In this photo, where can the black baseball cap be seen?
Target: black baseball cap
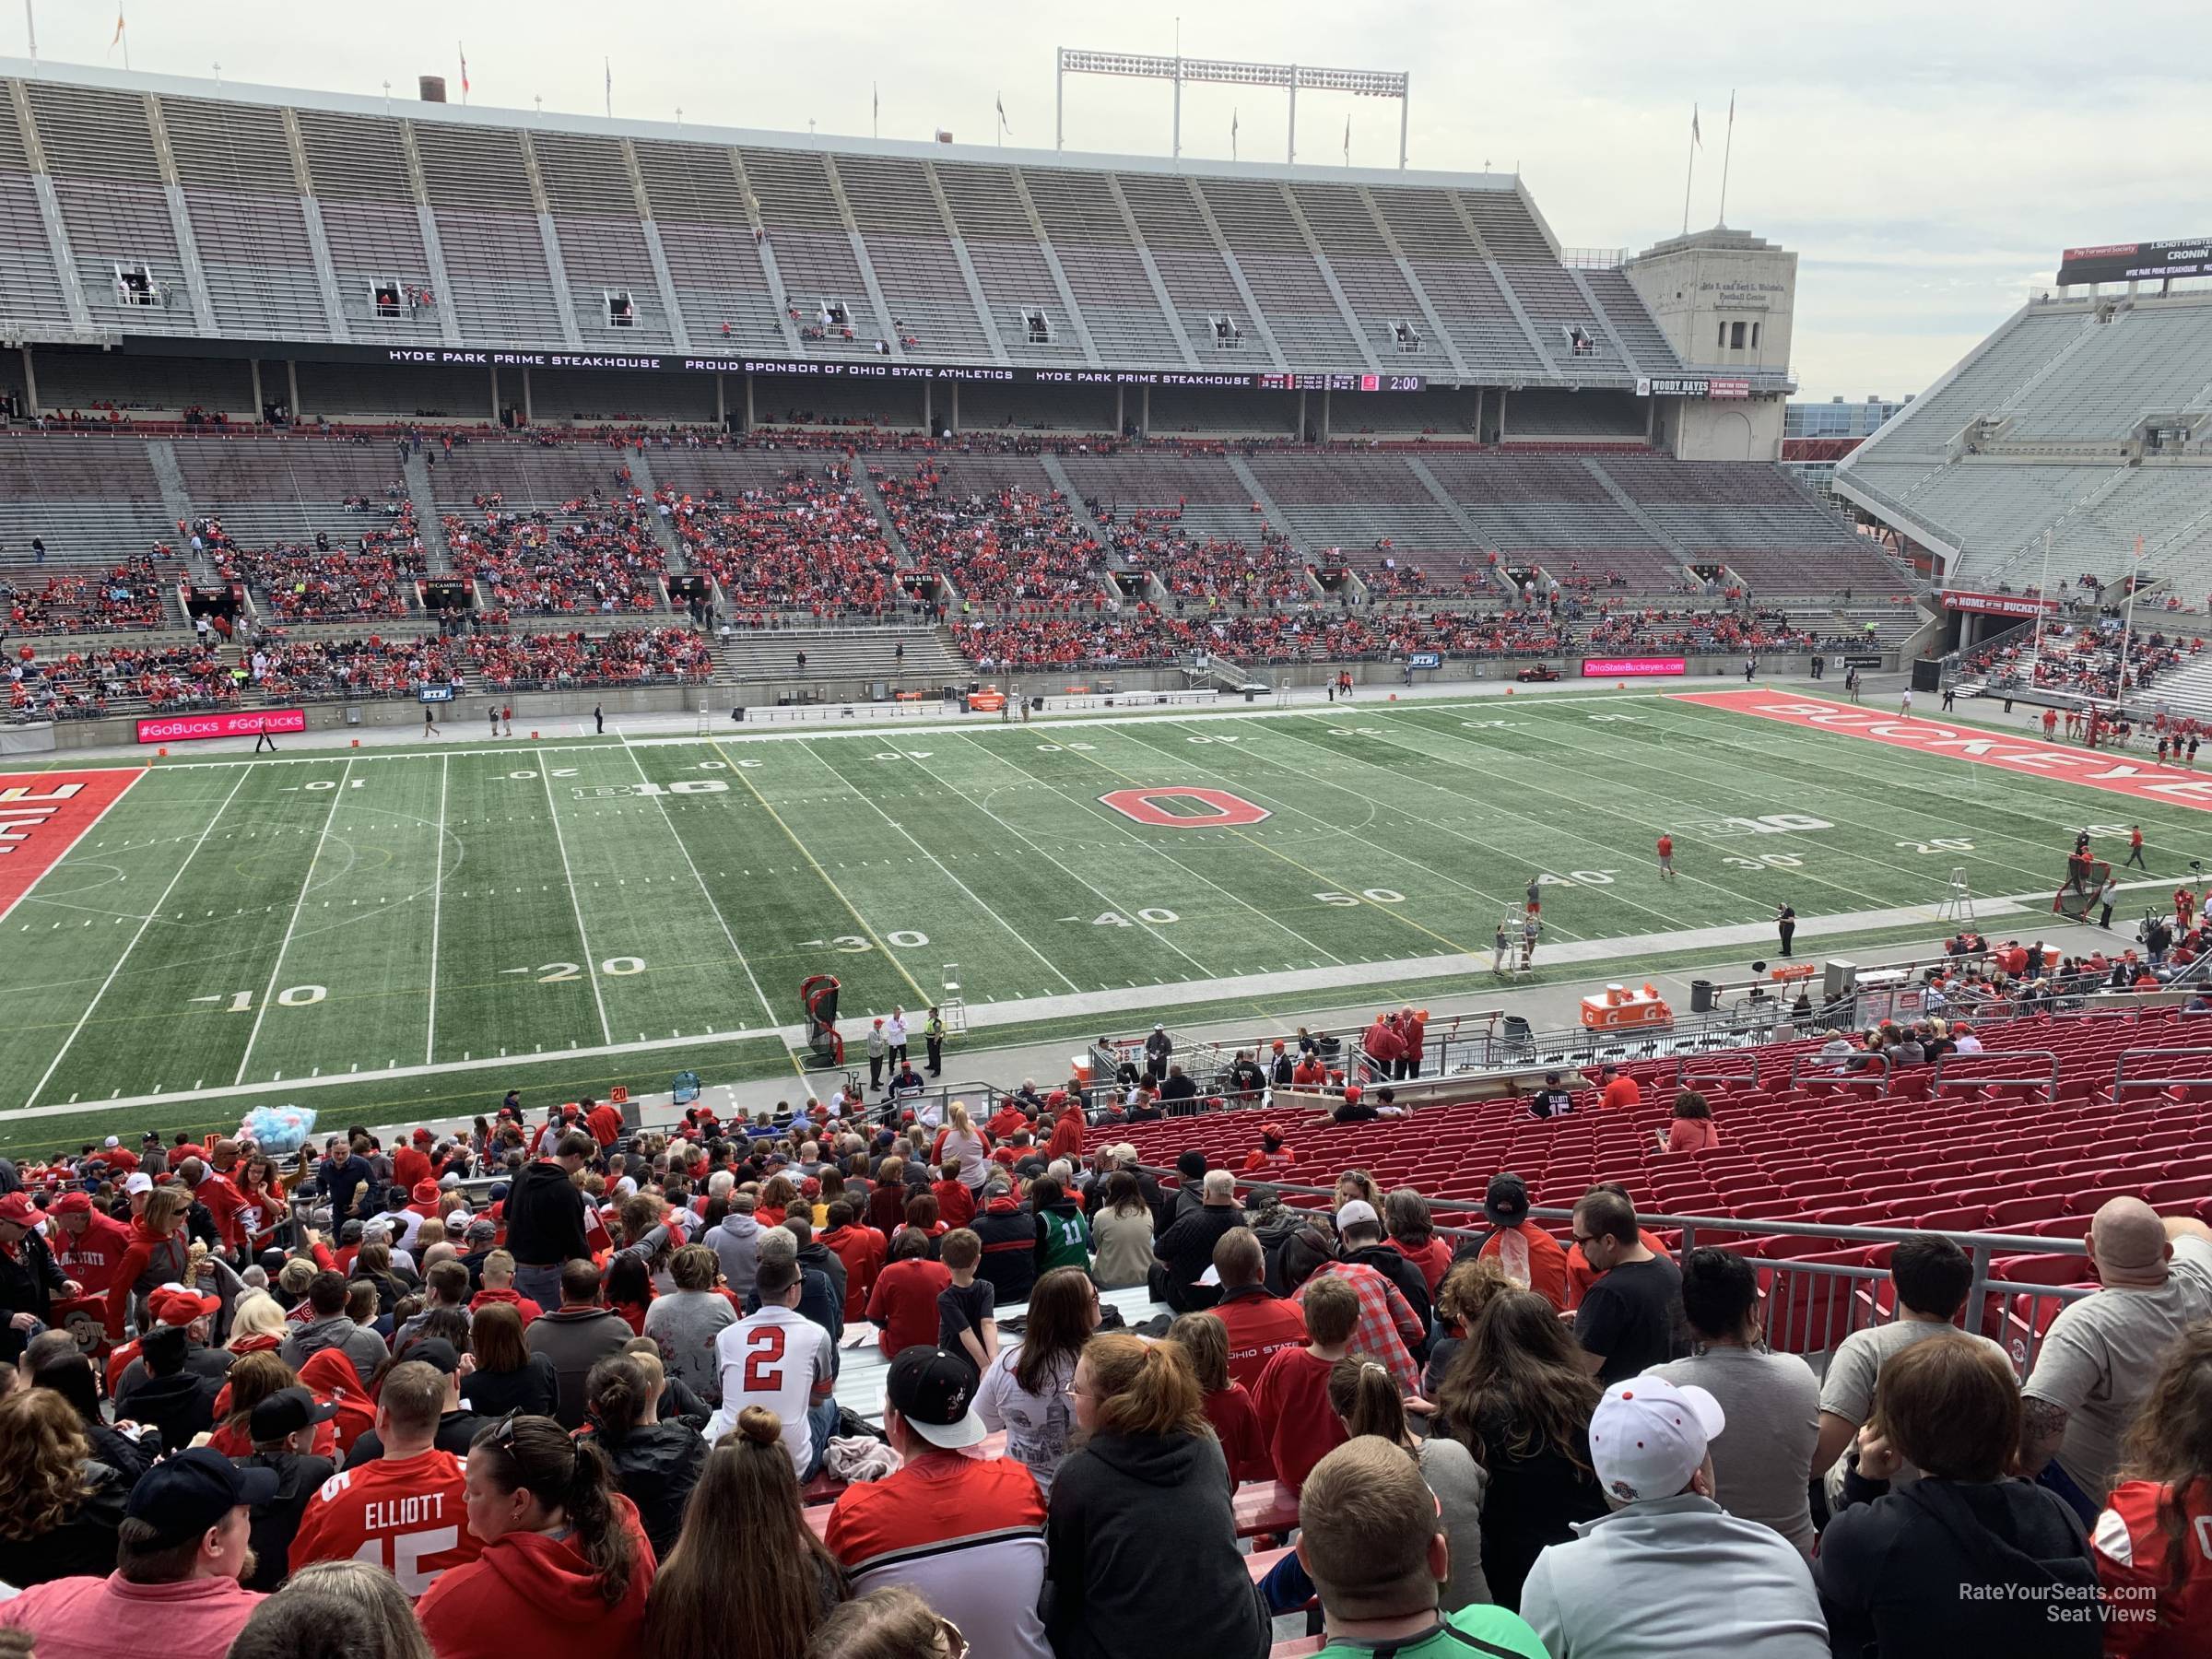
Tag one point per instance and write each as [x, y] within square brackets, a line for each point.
[288, 1411]
[932, 1390]
[185, 1495]
[434, 1350]
[1506, 1201]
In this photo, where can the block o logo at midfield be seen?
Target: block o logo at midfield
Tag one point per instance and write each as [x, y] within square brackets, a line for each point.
[1225, 811]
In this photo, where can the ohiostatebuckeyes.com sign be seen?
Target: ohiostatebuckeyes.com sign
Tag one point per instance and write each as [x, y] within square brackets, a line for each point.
[1630, 667]
[2100, 769]
[193, 728]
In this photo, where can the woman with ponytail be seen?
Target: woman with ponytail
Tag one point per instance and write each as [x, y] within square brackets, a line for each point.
[748, 1578]
[1367, 1398]
[565, 1565]
[1140, 1515]
[656, 1463]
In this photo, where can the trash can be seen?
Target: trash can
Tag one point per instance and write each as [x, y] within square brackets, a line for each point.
[1701, 996]
[1250, 694]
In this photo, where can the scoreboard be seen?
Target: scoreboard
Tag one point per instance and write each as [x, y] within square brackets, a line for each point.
[1339, 383]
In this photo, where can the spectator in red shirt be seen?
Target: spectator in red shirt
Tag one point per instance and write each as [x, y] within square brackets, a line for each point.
[862, 1250]
[904, 1301]
[1270, 1154]
[565, 1568]
[1383, 1046]
[1528, 1256]
[604, 1122]
[1693, 1129]
[411, 1160]
[1412, 1236]
[1308, 1073]
[1616, 1088]
[87, 1246]
[1413, 1035]
[1228, 1407]
[2162, 1502]
[1067, 1132]
[223, 1201]
[956, 1203]
[1292, 1398]
[1259, 1322]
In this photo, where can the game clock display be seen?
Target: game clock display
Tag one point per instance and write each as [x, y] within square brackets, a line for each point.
[1340, 383]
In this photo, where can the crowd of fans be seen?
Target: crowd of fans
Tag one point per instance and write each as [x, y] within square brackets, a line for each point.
[316, 581]
[1218, 568]
[536, 1385]
[2080, 661]
[623, 657]
[1699, 633]
[598, 555]
[1000, 548]
[80, 685]
[127, 595]
[810, 543]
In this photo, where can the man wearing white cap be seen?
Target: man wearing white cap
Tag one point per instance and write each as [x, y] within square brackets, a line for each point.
[1669, 1572]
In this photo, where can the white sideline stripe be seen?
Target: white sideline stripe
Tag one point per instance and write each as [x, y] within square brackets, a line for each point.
[307, 884]
[145, 922]
[1290, 982]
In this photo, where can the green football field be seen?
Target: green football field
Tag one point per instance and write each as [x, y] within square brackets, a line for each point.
[451, 919]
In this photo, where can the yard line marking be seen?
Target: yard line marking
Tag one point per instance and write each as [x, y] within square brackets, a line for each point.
[306, 883]
[806, 852]
[716, 909]
[145, 922]
[816, 755]
[430, 1040]
[1122, 828]
[590, 963]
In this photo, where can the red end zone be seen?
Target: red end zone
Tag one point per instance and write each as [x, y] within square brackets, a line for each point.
[41, 816]
[2098, 769]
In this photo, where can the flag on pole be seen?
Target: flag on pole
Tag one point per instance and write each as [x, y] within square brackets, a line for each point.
[1003, 126]
[875, 105]
[464, 52]
[1233, 134]
[118, 39]
[1696, 137]
[611, 83]
[1348, 140]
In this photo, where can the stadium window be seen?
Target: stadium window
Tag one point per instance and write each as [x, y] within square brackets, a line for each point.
[135, 283]
[621, 312]
[1755, 336]
[834, 315]
[1735, 337]
[386, 298]
[1036, 327]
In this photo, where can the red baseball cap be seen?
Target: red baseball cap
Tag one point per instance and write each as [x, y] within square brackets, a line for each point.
[425, 1192]
[174, 1305]
[423, 1135]
[18, 1208]
[1271, 1132]
[72, 1203]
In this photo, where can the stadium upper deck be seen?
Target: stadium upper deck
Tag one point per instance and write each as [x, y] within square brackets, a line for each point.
[159, 215]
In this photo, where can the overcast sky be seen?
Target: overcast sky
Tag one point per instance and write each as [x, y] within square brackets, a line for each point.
[1926, 162]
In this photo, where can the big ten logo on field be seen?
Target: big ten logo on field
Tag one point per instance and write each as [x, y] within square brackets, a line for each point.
[1188, 808]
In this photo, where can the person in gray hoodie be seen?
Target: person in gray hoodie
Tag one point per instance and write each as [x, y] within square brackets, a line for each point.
[1669, 1570]
[327, 1327]
[736, 1241]
[575, 1338]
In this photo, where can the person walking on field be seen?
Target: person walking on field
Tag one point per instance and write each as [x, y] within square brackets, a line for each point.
[598, 721]
[1667, 856]
[429, 729]
[1785, 924]
[2134, 847]
[494, 713]
[1905, 704]
[507, 719]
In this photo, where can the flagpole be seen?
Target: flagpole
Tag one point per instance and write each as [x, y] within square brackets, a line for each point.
[2043, 598]
[1692, 173]
[1727, 151]
[126, 40]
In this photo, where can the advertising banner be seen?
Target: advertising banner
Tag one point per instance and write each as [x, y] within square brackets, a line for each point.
[2133, 262]
[193, 728]
[1632, 668]
[1998, 604]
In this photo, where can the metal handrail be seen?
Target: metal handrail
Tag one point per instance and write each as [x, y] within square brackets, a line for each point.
[1847, 1071]
[2121, 1082]
[1682, 1077]
[2050, 1079]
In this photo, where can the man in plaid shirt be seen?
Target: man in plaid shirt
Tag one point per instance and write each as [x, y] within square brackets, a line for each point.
[1389, 1329]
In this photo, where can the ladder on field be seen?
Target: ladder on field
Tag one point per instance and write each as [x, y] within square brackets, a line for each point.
[1959, 900]
[952, 1006]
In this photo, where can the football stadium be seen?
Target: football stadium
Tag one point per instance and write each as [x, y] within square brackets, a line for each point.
[913, 897]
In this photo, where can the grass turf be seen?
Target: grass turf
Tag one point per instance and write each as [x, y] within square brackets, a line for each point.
[234, 921]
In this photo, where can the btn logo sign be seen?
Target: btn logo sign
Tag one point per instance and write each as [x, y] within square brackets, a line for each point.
[1218, 809]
